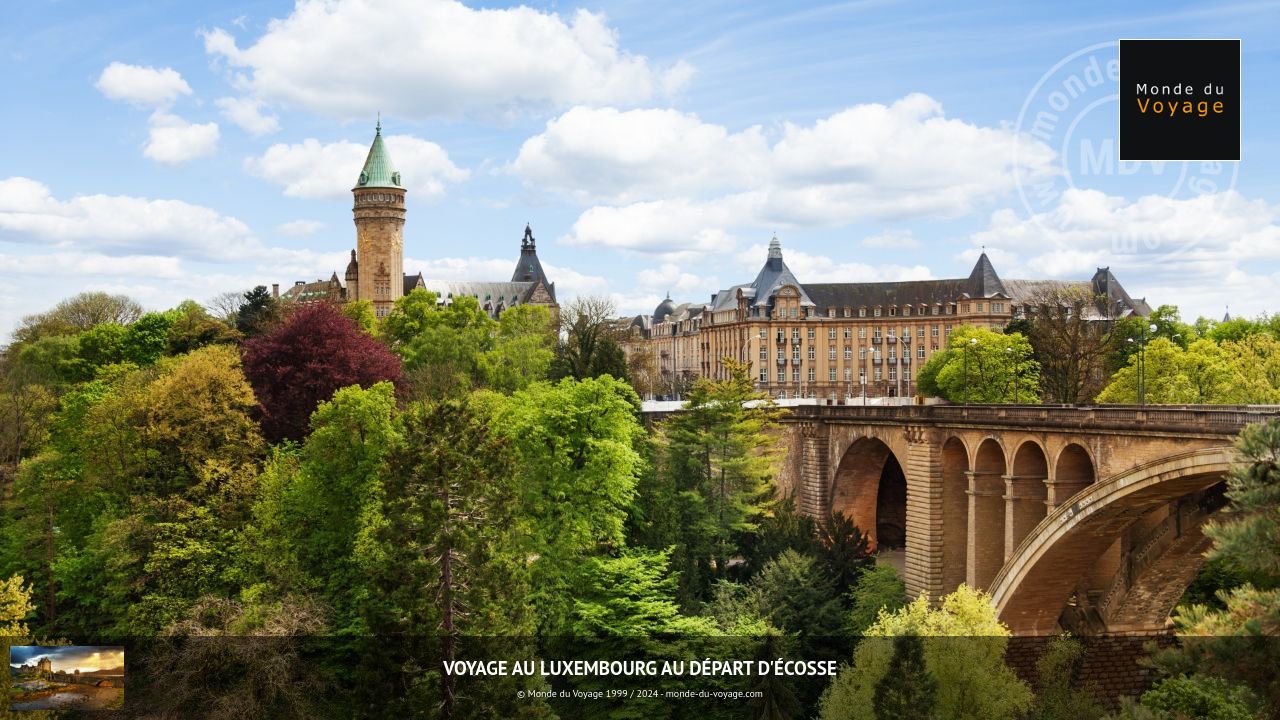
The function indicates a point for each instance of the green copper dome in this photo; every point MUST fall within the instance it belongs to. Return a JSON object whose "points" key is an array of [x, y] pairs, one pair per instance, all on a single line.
{"points": [[378, 171]]}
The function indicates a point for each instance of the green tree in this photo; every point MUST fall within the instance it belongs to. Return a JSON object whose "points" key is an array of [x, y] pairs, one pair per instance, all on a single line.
{"points": [[1197, 698], [907, 689], [442, 543], [361, 311], [78, 313], [983, 366], [1166, 377], [15, 606], [257, 312], [193, 327], [1237, 643], [796, 595], [101, 345], [964, 647], [631, 595], [522, 349], [843, 550], [311, 513], [720, 458], [590, 347], [575, 476], [147, 338], [1055, 698], [878, 589], [442, 345], [1255, 367]]}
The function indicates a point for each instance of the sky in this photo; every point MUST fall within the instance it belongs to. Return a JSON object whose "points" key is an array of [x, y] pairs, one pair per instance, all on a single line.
{"points": [[171, 150], [86, 658]]}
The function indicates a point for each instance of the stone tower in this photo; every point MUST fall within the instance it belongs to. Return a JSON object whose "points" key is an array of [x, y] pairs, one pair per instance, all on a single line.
{"points": [[378, 265]]}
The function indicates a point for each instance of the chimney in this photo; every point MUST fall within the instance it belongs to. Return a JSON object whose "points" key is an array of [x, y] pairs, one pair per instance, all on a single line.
{"points": [[275, 289]]}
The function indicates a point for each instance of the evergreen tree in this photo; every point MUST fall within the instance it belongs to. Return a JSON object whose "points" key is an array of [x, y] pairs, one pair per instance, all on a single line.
{"points": [[906, 690], [720, 459], [257, 311]]}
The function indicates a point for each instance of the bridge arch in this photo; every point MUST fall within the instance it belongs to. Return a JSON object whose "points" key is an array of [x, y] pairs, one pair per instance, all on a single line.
{"points": [[1073, 470], [1026, 493], [870, 488], [986, 512], [955, 512], [1033, 587]]}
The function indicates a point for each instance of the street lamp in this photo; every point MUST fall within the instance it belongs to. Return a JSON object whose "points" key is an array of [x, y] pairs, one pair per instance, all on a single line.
{"points": [[972, 342], [1013, 375], [1142, 362]]}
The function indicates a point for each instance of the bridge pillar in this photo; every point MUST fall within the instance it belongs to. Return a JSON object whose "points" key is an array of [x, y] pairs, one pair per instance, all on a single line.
{"points": [[986, 526], [1058, 492], [1024, 508], [925, 530], [814, 499]]}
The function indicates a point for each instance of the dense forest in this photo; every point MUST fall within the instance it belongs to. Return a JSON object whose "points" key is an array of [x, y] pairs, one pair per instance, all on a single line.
{"points": [[300, 511]]}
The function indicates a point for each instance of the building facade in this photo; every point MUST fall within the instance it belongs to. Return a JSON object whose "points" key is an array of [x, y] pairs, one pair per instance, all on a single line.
{"points": [[376, 270], [835, 340]]}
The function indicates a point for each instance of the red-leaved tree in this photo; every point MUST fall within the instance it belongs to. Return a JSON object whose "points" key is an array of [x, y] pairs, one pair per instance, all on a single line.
{"points": [[301, 362]]}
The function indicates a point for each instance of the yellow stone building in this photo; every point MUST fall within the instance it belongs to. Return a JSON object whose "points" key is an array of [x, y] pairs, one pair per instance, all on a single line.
{"points": [[834, 340], [376, 271]]}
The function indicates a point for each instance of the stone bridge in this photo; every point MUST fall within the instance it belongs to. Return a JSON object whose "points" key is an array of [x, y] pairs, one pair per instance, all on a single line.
{"points": [[1079, 518]]}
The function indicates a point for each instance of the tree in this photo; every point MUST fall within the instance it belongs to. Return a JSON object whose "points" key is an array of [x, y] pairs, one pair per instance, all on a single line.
{"points": [[1164, 377], [1070, 341], [630, 595], [15, 606], [300, 363], [844, 552], [442, 345], [796, 595], [443, 531], [257, 312], [311, 513], [1055, 698], [78, 313], [590, 348], [1237, 643], [878, 589], [1196, 697], [147, 338], [522, 349], [225, 306], [1255, 368], [994, 368], [574, 478], [964, 647], [361, 311], [720, 459], [907, 689], [193, 328]]}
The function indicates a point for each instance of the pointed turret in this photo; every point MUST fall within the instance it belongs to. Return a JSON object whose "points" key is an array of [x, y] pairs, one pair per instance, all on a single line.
{"points": [[378, 171], [983, 281], [528, 268]]}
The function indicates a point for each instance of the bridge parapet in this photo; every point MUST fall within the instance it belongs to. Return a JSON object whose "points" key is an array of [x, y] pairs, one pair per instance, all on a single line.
{"points": [[1205, 418]]}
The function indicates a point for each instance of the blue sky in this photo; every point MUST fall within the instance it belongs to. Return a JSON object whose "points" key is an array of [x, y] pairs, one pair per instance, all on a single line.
{"points": [[170, 150], [67, 658]]}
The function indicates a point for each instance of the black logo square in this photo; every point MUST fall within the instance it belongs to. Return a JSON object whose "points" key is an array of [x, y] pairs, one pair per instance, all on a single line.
{"points": [[1179, 100]]}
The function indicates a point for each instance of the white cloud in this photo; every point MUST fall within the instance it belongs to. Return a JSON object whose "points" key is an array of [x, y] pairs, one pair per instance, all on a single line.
{"points": [[96, 264], [665, 179], [248, 114], [672, 230], [892, 240], [1187, 251], [174, 141], [313, 170], [347, 58], [810, 268], [118, 224], [619, 157], [674, 279], [142, 85]]}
